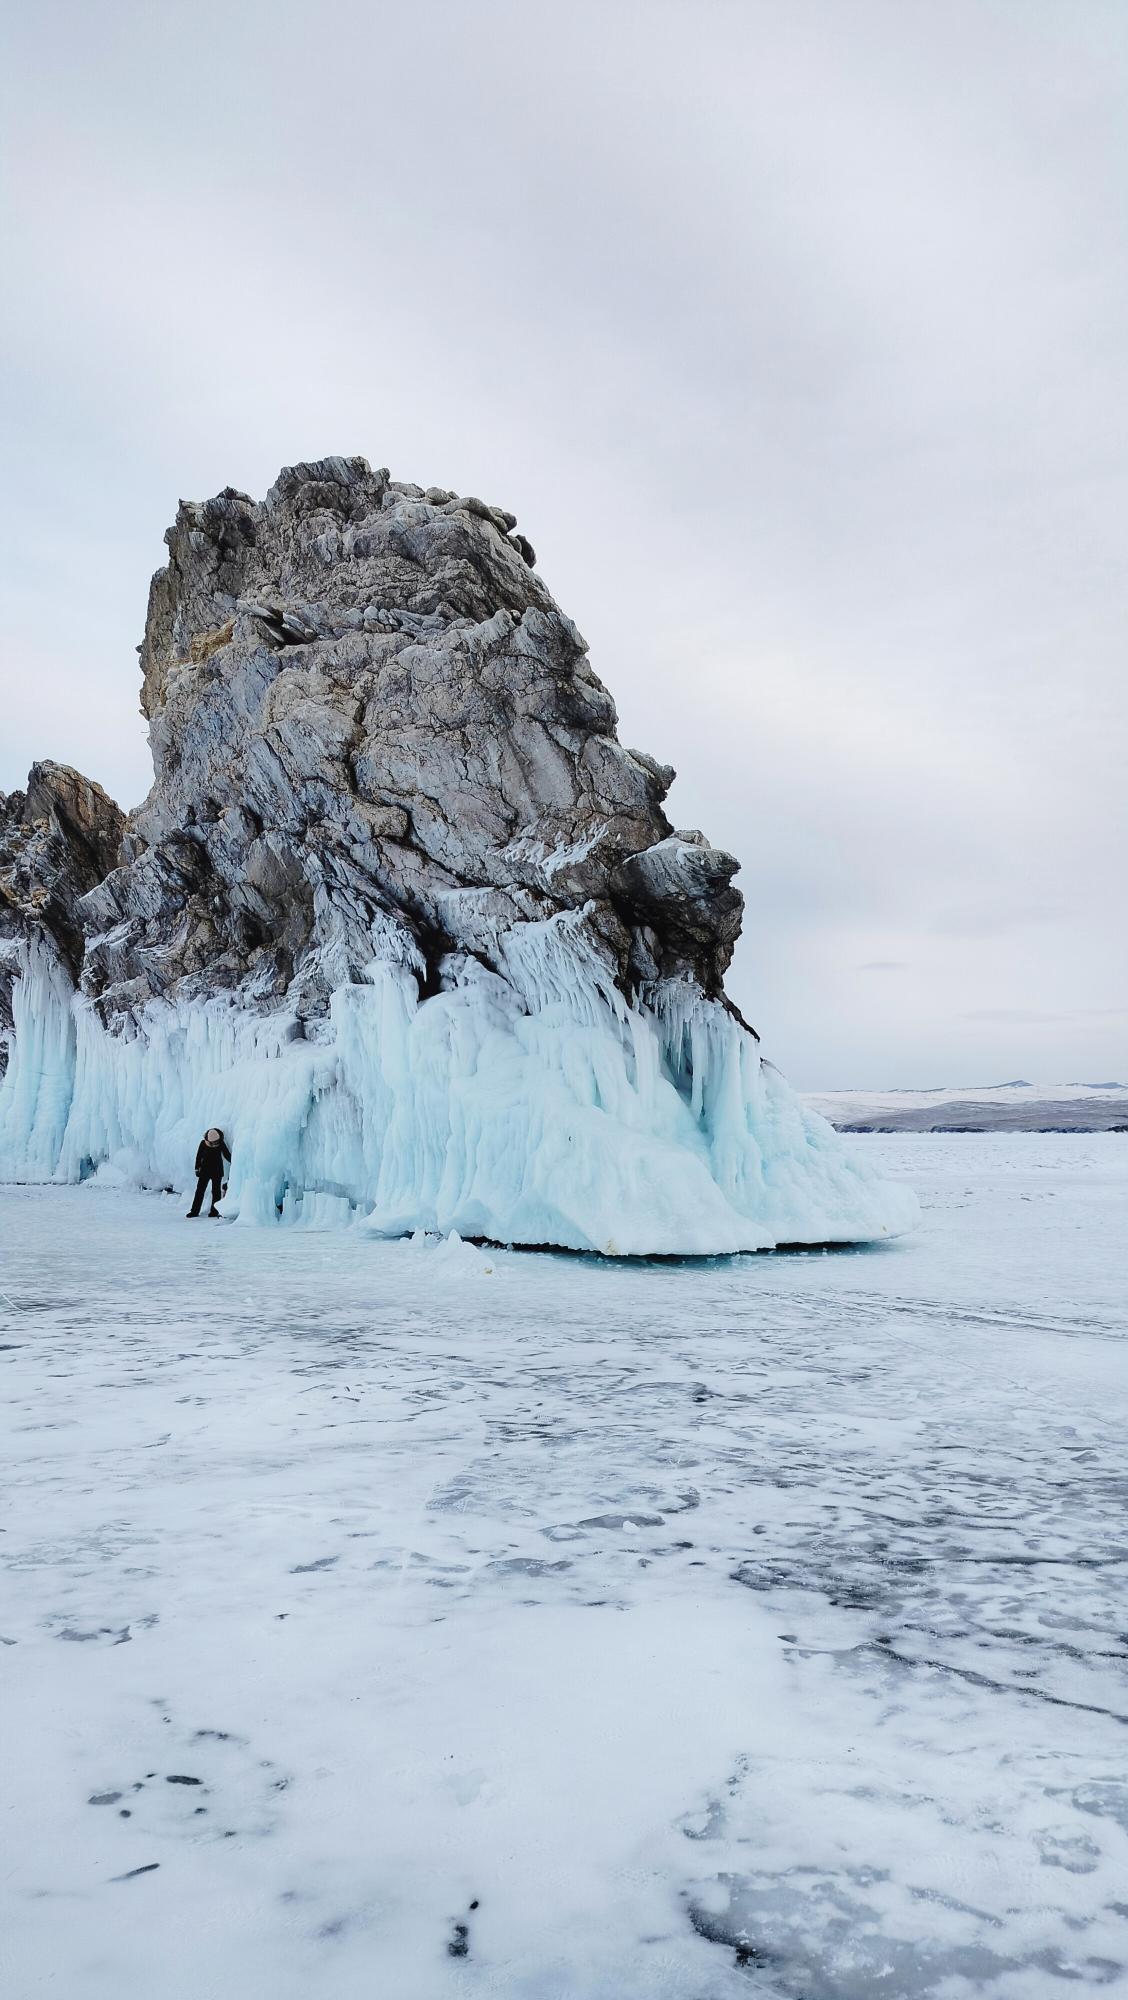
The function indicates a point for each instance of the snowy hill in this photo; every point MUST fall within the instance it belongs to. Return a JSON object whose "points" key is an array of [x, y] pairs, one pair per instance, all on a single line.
{"points": [[1001, 1107]]}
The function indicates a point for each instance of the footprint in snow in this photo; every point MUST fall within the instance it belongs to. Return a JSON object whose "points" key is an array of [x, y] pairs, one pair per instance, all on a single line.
{"points": [[218, 1782], [458, 1943]]}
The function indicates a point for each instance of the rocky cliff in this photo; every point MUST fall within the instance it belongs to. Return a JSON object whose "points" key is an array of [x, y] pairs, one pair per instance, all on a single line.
{"points": [[391, 819], [364, 708], [58, 840]]}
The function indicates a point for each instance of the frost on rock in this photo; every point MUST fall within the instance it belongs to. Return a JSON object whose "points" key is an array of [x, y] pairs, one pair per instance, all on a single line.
{"points": [[400, 913]]}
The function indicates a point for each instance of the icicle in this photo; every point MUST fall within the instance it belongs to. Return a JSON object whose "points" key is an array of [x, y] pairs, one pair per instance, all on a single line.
{"points": [[38, 1084], [540, 1111]]}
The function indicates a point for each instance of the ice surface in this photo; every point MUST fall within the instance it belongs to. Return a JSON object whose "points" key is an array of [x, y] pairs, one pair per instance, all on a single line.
{"points": [[538, 1108], [704, 1630]]}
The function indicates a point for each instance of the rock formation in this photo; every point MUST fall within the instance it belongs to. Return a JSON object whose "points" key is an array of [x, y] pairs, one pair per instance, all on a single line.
{"points": [[399, 910], [58, 840]]}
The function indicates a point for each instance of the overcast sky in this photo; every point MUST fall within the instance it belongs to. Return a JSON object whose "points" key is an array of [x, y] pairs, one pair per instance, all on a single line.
{"points": [[796, 335]]}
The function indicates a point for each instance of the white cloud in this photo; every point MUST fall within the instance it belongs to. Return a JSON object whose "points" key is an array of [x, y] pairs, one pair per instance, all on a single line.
{"points": [[796, 338]]}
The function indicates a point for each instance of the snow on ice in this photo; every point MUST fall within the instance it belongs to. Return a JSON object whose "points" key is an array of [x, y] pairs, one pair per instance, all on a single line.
{"points": [[417, 1620]]}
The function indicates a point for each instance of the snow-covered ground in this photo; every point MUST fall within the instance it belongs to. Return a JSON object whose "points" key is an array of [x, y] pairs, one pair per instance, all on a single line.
{"points": [[392, 1622]]}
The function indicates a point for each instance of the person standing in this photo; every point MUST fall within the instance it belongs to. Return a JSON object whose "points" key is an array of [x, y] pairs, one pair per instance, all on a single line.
{"points": [[210, 1155]]}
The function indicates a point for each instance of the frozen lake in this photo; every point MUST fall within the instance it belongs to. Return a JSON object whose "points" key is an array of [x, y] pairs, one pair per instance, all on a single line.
{"points": [[385, 1622]]}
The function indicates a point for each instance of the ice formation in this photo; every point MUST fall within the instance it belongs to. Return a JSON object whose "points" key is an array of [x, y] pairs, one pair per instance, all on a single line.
{"points": [[400, 913]]}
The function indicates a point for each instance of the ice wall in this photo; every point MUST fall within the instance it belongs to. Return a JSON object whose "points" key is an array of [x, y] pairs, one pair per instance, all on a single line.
{"points": [[535, 1109], [37, 1086]]}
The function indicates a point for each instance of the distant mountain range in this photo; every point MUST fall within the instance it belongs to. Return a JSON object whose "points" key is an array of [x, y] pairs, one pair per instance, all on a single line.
{"points": [[1000, 1107]]}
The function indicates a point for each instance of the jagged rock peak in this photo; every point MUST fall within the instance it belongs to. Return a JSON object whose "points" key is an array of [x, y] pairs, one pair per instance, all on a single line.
{"points": [[58, 839], [334, 547], [370, 719]]}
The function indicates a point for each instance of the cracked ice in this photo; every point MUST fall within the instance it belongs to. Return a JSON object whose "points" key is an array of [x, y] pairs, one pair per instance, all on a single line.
{"points": [[410, 1619]]}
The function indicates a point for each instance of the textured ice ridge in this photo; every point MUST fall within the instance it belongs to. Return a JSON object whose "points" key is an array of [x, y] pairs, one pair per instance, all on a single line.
{"points": [[400, 913]]}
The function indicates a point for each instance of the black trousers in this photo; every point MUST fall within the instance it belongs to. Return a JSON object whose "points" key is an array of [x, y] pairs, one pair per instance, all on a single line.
{"points": [[216, 1183]]}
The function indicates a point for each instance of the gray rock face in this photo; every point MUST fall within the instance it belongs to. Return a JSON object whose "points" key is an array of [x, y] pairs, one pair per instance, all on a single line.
{"points": [[58, 840], [371, 722]]}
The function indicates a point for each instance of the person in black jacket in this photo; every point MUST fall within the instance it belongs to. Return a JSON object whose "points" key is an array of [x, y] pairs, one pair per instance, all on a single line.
{"points": [[210, 1155]]}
